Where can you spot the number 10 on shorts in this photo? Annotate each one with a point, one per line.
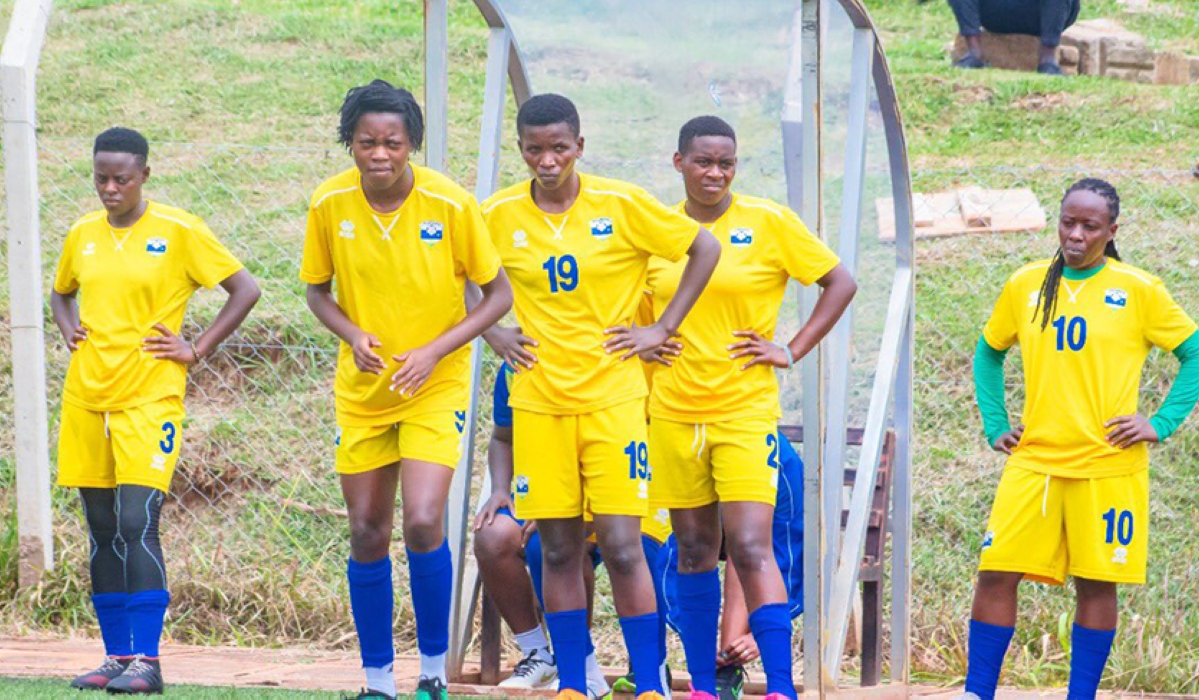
(1119, 526)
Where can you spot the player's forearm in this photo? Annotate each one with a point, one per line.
(65, 312)
(322, 305)
(496, 301)
(702, 257)
(243, 295)
(988, 389)
(839, 290)
(500, 462)
(1183, 393)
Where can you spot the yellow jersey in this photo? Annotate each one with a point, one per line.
(763, 245)
(128, 281)
(400, 276)
(1085, 367)
(576, 274)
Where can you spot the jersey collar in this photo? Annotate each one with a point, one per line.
(1076, 275)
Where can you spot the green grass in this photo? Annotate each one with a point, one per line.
(239, 103)
(56, 689)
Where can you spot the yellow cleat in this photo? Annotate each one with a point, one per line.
(569, 694)
(651, 695)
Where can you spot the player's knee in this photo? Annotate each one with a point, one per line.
(698, 551)
(623, 559)
(559, 558)
(998, 582)
(370, 537)
(750, 552)
(493, 542)
(1091, 591)
(423, 532)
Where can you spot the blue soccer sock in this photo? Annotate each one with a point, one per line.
(641, 641)
(113, 616)
(699, 622)
(372, 603)
(146, 612)
(657, 570)
(533, 563)
(771, 626)
(988, 645)
(1089, 651)
(432, 577)
(571, 640)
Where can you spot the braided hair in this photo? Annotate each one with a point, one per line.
(1047, 298)
(380, 96)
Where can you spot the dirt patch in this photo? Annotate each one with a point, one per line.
(973, 94)
(1043, 102)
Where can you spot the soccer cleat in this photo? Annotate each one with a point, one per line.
(651, 695)
(970, 61)
(430, 689)
(597, 688)
(1050, 68)
(569, 694)
(730, 680)
(368, 694)
(625, 684)
(775, 696)
(533, 672)
(967, 696)
(112, 667)
(700, 695)
(141, 677)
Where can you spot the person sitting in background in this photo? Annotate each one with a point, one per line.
(1046, 19)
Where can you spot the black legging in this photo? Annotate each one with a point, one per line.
(123, 526)
(1044, 18)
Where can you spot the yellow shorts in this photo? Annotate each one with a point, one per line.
(699, 464)
(1048, 527)
(598, 459)
(429, 437)
(657, 524)
(139, 445)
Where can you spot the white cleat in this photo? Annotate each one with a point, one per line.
(535, 671)
(597, 688)
(967, 696)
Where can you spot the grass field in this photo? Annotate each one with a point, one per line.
(238, 100)
(55, 690)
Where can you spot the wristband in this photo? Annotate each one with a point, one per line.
(786, 351)
(195, 352)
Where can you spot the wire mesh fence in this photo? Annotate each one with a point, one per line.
(255, 530)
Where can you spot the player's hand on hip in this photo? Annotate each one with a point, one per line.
(76, 338)
(168, 346)
(634, 339)
(490, 507)
(662, 354)
(510, 344)
(417, 365)
(1127, 431)
(365, 356)
(760, 351)
(1007, 442)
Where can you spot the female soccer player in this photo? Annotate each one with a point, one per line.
(133, 267)
(1074, 496)
(577, 247)
(714, 408)
(402, 241)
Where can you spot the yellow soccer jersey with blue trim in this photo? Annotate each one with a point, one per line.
(575, 274)
(400, 276)
(1085, 367)
(128, 281)
(763, 245)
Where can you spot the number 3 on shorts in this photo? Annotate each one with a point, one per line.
(168, 440)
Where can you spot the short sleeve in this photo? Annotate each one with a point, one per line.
(66, 278)
(1001, 330)
(316, 266)
(658, 229)
(209, 262)
(474, 251)
(501, 412)
(1164, 323)
(804, 256)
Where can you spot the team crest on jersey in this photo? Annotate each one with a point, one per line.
(988, 540)
(89, 249)
(520, 239)
(431, 232)
(1033, 298)
(1115, 298)
(662, 516)
(601, 227)
(346, 229)
(158, 463)
(741, 237)
(521, 486)
(156, 246)
(1120, 555)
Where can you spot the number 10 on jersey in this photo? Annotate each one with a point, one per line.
(563, 272)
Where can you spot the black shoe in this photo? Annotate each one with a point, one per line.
(141, 677)
(368, 695)
(729, 682)
(1050, 68)
(970, 61)
(98, 679)
(430, 689)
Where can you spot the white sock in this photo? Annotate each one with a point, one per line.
(662, 678)
(531, 641)
(433, 667)
(594, 672)
(381, 679)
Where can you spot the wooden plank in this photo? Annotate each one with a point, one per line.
(989, 211)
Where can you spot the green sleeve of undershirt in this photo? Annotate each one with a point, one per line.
(988, 389)
(1183, 394)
